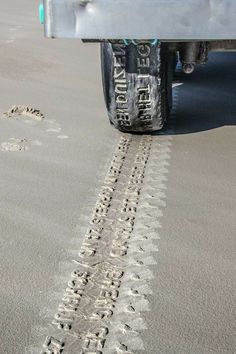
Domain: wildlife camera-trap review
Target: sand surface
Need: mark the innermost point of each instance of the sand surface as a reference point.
(50, 176)
(53, 165)
(193, 305)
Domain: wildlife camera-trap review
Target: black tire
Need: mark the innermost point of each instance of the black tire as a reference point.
(137, 83)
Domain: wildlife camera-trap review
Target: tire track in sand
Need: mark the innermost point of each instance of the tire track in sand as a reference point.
(101, 310)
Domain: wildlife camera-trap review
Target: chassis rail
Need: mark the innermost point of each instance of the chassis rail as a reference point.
(162, 19)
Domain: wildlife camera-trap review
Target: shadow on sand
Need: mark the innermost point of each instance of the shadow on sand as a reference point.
(207, 98)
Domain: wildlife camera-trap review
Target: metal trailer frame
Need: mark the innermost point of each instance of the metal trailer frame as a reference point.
(170, 20)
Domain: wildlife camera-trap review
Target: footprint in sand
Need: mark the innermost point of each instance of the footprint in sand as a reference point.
(26, 111)
(22, 144)
(13, 145)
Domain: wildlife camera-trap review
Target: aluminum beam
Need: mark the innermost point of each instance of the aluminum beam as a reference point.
(162, 19)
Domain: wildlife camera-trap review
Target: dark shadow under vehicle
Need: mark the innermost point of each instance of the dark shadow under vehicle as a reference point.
(211, 92)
